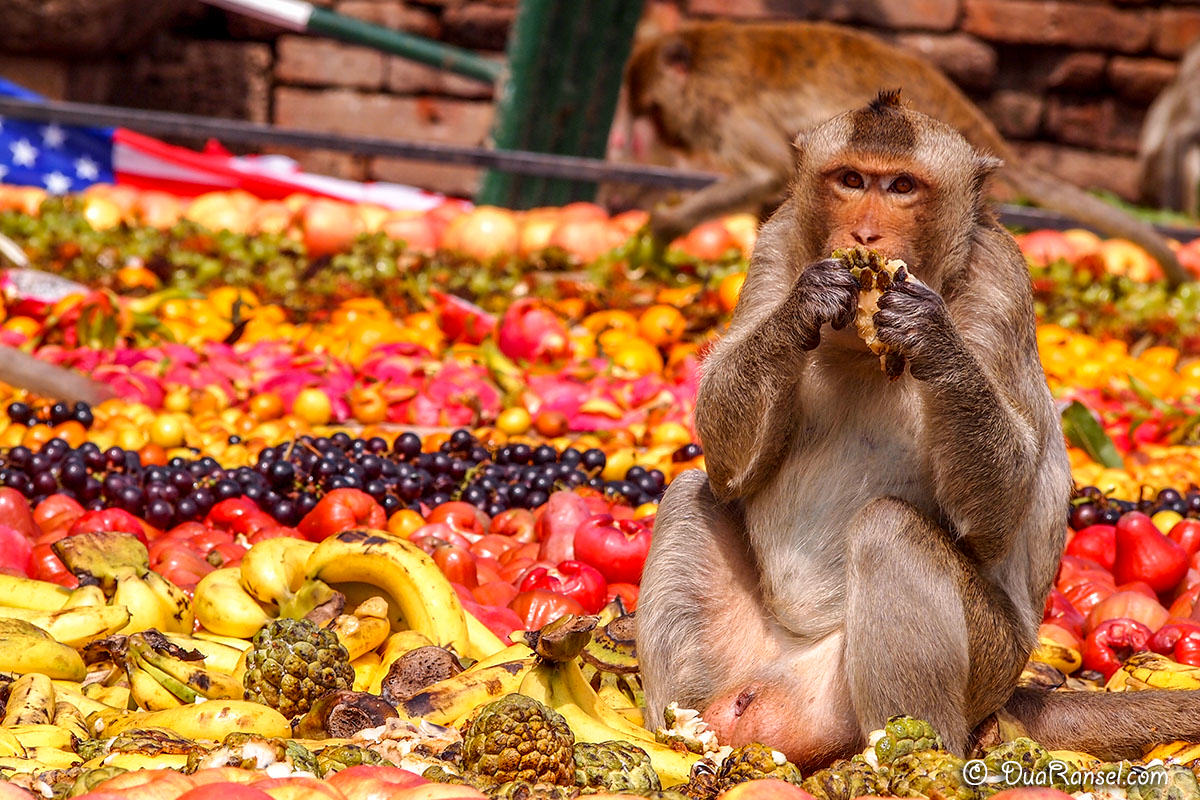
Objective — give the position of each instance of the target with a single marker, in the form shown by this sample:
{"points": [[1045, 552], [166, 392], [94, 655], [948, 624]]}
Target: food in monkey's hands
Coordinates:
{"points": [[875, 275]]}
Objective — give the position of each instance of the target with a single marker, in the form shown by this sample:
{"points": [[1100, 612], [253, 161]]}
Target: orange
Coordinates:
{"points": [[267, 405], [662, 324], [71, 432], [1161, 356], [37, 435], [729, 289], [612, 318], [404, 522], [637, 355], [313, 406], [153, 455]]}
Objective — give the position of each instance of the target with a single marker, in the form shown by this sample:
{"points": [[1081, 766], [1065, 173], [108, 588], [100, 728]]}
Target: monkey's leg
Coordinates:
{"points": [[925, 634], [723, 197], [699, 618]]}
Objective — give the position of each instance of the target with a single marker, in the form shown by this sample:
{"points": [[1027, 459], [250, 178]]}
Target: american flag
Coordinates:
{"points": [[67, 158]]}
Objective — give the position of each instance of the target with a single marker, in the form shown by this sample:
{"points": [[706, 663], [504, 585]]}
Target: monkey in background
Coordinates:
{"points": [[1169, 150], [736, 94], [862, 547]]}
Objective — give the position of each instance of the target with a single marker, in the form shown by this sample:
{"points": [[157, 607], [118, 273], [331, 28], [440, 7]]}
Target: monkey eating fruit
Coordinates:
{"points": [[875, 275]]}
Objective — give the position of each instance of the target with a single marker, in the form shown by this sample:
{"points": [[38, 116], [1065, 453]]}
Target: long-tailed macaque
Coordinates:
{"points": [[1169, 151], [864, 546], [735, 95]]}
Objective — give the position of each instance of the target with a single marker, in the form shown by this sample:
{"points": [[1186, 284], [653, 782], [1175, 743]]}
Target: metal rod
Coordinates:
{"points": [[164, 123]]}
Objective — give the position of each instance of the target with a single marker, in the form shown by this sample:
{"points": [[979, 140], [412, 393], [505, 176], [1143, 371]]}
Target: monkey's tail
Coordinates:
{"points": [[1111, 725], [1060, 196], [23, 371]]}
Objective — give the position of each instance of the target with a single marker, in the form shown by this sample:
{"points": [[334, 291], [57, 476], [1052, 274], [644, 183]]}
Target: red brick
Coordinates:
{"points": [[1139, 80], [359, 113], [1177, 30], [1017, 115], [212, 78], [968, 61], [394, 14], [411, 77], [323, 62], [1097, 124], [1077, 71], [478, 26], [757, 9], [450, 180], [1077, 25], [1083, 168], [938, 15]]}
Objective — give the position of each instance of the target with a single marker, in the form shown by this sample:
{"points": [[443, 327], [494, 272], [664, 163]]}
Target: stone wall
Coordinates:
{"points": [[1068, 82]]}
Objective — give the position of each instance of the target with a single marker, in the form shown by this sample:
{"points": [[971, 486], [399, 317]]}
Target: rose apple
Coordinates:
{"points": [[572, 578], [538, 607], [16, 514], [557, 523], [16, 552], [483, 233], [1143, 553], [373, 783], [438, 791], [299, 788], [1045, 247], [224, 775], [150, 784], [766, 789], [225, 791], [9, 791], [1128, 605], [618, 548], [329, 226]]}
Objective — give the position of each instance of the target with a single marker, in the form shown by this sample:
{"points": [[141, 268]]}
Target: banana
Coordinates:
{"points": [[395, 646], [365, 629], [68, 718], [70, 692], [30, 701], [218, 656], [175, 602], [548, 684], [448, 700], [1176, 752], [26, 648], [111, 696], [74, 627], [610, 694], [135, 761], [514, 652], [206, 683], [273, 569], [364, 670], [42, 735], [213, 720], [424, 597], [237, 643], [146, 610], [32, 594], [481, 641], [1153, 671], [1065, 659], [148, 693], [224, 607], [39, 759], [90, 595], [10, 745]]}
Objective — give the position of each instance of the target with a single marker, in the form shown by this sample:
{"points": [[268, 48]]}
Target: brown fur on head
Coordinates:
{"points": [[891, 178]]}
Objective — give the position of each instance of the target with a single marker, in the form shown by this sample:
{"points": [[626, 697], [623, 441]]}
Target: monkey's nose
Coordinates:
{"points": [[864, 237]]}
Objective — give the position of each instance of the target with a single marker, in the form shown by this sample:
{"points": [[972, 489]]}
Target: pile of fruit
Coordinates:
{"points": [[368, 515]]}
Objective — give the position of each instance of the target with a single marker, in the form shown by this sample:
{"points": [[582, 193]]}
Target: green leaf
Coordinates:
{"points": [[1083, 431], [1146, 394]]}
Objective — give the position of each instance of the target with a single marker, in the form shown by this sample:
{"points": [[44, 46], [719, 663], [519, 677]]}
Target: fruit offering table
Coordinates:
{"points": [[367, 515]]}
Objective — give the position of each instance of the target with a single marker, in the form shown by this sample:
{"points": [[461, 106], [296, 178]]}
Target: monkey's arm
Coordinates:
{"points": [[746, 409], [979, 378]]}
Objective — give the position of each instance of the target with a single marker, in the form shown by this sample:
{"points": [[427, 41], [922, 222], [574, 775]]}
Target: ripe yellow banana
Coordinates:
{"points": [[223, 606], [364, 670], [237, 643], [30, 701], [404, 572], [1064, 659], [74, 627], [448, 700], [1175, 752], [273, 569], [10, 745], [213, 720], [42, 735], [548, 684], [39, 759], [218, 656], [175, 602], [148, 693], [146, 611], [395, 646], [514, 652], [26, 648], [32, 594], [68, 718], [364, 630], [610, 695], [70, 692], [110, 696], [481, 641], [198, 681], [90, 595], [135, 761], [1153, 671]]}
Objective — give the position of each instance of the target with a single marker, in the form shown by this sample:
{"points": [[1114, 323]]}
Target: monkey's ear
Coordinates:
{"points": [[985, 165], [676, 54]]}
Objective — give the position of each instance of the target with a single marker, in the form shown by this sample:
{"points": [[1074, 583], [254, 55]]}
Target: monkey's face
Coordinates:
{"points": [[875, 204]]}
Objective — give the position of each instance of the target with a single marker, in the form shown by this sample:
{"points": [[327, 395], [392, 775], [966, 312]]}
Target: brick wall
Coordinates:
{"points": [[1068, 82]]}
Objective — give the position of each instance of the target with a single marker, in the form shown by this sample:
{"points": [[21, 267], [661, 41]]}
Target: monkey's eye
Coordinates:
{"points": [[902, 185], [852, 179]]}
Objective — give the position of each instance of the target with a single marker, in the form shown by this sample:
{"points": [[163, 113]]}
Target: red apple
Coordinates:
{"points": [[414, 229], [1032, 793], [10, 792], [483, 233], [766, 789], [298, 789], [225, 791], [329, 226], [1045, 247], [148, 784], [223, 775]]}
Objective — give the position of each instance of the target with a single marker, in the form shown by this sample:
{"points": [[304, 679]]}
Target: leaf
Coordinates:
{"points": [[1145, 393], [1083, 431]]}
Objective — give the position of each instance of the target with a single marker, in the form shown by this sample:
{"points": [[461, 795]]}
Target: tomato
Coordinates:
{"points": [[457, 564], [572, 578], [494, 593], [618, 548], [627, 592], [538, 607]]}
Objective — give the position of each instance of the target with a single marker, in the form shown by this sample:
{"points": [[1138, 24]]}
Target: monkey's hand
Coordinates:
{"points": [[825, 292], [913, 321]]}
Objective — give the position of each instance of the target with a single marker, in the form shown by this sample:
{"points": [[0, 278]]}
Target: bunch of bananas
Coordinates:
{"points": [[291, 577], [38, 731]]}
